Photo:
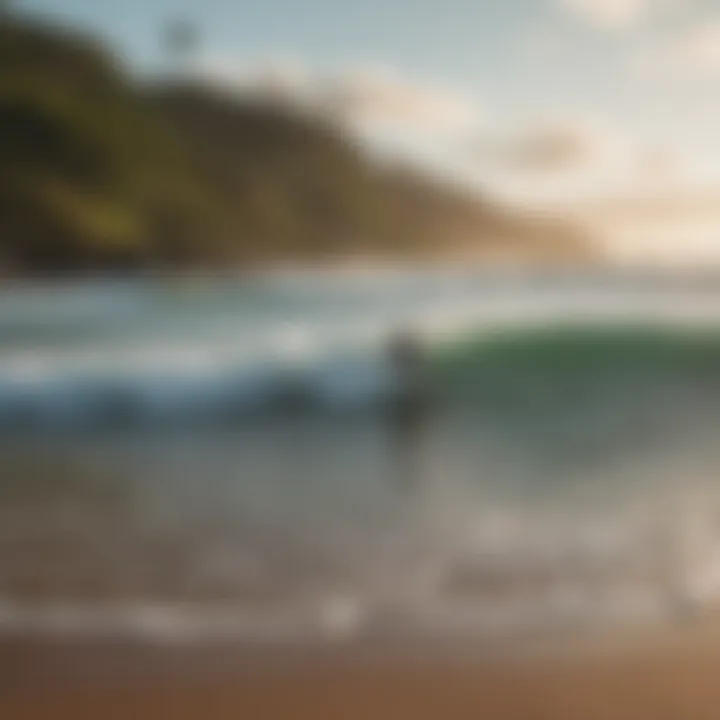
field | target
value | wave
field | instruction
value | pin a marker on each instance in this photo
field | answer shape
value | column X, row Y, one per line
column 575, row 364
column 549, row 494
column 160, row 392
column 134, row 353
column 483, row 598
column 498, row 371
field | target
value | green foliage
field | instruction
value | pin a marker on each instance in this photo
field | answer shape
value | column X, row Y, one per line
column 98, row 173
column 87, row 169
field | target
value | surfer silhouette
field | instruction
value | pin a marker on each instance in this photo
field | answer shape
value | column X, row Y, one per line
column 408, row 407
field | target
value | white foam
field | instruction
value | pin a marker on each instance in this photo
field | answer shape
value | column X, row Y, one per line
column 231, row 343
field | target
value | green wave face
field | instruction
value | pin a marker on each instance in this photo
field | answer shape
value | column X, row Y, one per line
column 525, row 367
column 582, row 397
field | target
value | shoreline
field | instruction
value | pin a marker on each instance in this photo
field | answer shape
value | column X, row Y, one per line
column 665, row 675
column 65, row 657
column 464, row 264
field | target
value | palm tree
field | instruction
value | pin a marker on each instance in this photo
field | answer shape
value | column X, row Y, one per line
column 181, row 39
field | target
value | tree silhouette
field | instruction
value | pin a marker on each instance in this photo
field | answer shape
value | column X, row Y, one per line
column 181, row 39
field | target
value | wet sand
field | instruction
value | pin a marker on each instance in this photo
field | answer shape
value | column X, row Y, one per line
column 675, row 679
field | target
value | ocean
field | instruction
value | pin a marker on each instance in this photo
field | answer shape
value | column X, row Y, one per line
column 189, row 459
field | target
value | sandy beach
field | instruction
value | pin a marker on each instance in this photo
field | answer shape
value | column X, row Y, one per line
column 669, row 678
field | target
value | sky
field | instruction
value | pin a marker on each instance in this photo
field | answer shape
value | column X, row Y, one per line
column 549, row 101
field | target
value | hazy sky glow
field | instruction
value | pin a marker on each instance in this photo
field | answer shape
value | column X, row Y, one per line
column 545, row 99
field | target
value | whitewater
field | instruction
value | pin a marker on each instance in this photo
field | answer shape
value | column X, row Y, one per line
column 184, row 459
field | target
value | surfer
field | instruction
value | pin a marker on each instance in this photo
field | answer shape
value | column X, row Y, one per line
column 408, row 407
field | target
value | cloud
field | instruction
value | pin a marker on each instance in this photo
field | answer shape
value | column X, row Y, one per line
column 282, row 76
column 374, row 100
column 661, row 166
column 560, row 147
column 610, row 14
column 394, row 113
column 697, row 48
column 557, row 149
column 691, row 51
column 385, row 100
column 559, row 160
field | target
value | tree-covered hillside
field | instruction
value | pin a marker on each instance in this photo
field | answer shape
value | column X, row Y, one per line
column 99, row 172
